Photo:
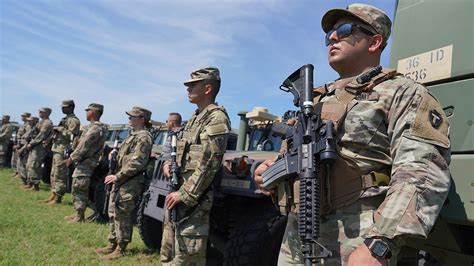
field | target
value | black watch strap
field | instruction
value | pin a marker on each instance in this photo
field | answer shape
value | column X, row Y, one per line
column 378, row 247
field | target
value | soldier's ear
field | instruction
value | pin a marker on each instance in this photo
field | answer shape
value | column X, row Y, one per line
column 376, row 43
column 208, row 89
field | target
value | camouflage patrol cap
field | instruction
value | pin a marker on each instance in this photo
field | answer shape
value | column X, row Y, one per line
column 32, row 118
column 95, row 106
column 140, row 111
column 45, row 110
column 26, row 114
column 6, row 117
column 204, row 73
column 67, row 103
column 370, row 15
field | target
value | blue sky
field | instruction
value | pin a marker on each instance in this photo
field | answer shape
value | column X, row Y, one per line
column 126, row 53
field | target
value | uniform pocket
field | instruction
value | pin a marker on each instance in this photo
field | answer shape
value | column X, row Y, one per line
column 182, row 146
column 193, row 157
column 362, row 122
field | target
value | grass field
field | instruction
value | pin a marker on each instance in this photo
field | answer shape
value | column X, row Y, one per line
column 33, row 233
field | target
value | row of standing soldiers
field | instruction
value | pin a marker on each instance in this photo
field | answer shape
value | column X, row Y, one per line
column 200, row 151
column 79, row 151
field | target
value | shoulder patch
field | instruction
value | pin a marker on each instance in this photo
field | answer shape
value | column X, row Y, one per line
column 431, row 122
column 217, row 129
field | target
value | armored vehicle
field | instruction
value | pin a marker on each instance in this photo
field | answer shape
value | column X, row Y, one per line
column 246, row 228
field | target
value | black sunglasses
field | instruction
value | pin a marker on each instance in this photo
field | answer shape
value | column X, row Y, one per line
column 345, row 30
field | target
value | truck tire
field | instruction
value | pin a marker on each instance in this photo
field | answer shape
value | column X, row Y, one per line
column 256, row 238
column 150, row 230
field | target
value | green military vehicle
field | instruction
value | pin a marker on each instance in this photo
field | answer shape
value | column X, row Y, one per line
column 433, row 43
column 246, row 228
column 119, row 132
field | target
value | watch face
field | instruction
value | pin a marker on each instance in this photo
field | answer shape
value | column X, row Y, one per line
column 379, row 248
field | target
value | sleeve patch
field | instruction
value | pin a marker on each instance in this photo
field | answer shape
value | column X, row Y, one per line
column 431, row 122
column 217, row 129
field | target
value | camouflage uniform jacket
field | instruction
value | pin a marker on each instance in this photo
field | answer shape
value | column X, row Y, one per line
column 30, row 133
column 90, row 144
column 401, row 127
column 44, row 129
column 69, row 125
column 200, row 151
column 21, row 132
column 133, row 156
column 6, row 132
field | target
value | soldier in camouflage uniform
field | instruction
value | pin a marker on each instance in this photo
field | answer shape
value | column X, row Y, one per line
column 63, row 137
column 23, row 153
column 85, row 158
column 199, row 157
column 128, row 182
column 5, row 135
column 391, row 177
column 37, row 149
column 19, row 144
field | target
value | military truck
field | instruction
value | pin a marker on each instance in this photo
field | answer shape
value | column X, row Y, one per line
column 246, row 227
column 119, row 132
column 433, row 43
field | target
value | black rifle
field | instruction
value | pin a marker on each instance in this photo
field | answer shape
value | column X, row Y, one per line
column 310, row 142
column 67, row 153
column 173, row 214
column 112, row 168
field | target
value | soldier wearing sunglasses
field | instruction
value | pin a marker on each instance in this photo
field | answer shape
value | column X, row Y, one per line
column 391, row 177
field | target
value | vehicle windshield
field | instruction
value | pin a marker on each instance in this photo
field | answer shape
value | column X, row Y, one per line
column 161, row 137
column 263, row 140
column 122, row 134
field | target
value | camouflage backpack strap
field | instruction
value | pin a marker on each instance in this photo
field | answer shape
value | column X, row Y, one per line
column 319, row 93
column 365, row 82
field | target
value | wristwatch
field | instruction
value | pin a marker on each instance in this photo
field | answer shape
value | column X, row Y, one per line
column 378, row 247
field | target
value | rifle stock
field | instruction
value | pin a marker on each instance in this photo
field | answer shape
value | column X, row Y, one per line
column 310, row 142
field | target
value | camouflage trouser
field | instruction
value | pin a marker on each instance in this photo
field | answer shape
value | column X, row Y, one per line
column 59, row 174
column 121, row 205
column 341, row 233
column 21, row 165
column 3, row 154
column 35, row 160
column 190, row 243
column 80, row 192
column 14, row 160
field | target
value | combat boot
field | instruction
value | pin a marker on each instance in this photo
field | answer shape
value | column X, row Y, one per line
column 14, row 174
column 51, row 198
column 118, row 252
column 76, row 218
column 57, row 199
column 34, row 187
column 107, row 249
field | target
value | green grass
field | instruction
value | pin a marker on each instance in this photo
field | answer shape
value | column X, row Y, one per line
column 33, row 233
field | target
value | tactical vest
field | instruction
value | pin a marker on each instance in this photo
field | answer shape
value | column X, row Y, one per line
column 345, row 182
column 189, row 146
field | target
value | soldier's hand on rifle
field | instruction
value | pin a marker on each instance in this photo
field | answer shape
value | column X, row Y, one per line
column 68, row 161
column 172, row 199
column 259, row 179
column 362, row 256
column 110, row 179
column 167, row 170
column 29, row 147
